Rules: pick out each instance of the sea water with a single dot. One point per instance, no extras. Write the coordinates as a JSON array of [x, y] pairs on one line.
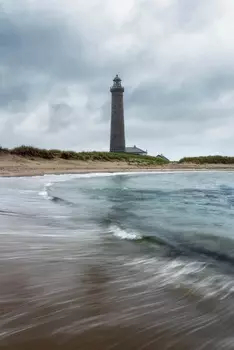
[[117, 261]]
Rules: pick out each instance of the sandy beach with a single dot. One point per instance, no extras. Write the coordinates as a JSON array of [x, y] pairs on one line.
[[12, 165]]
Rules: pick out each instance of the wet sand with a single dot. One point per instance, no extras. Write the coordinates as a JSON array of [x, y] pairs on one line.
[[59, 299], [56, 302]]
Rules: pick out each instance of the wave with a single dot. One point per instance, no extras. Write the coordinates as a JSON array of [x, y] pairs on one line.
[[214, 254], [132, 235], [45, 192], [175, 244], [47, 195], [176, 249], [67, 177], [122, 234], [211, 192]]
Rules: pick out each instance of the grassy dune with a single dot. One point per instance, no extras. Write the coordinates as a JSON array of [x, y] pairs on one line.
[[32, 153], [35, 153], [207, 160]]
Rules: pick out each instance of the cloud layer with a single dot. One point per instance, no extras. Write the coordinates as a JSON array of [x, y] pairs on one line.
[[176, 59]]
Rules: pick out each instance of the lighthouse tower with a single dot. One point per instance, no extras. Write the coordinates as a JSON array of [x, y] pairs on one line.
[[117, 134]]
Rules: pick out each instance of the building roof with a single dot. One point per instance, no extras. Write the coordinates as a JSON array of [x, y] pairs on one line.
[[134, 149], [162, 157]]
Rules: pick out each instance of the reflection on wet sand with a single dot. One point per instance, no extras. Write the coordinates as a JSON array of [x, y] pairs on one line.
[[88, 304]]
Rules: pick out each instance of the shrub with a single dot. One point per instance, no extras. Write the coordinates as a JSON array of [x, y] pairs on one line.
[[107, 157], [55, 152], [68, 155], [28, 151], [3, 150], [208, 160]]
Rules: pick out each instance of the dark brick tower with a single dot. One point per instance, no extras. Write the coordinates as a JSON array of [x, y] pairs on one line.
[[117, 136]]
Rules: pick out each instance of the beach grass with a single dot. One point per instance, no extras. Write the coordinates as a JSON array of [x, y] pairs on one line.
[[207, 160], [32, 153], [50, 154]]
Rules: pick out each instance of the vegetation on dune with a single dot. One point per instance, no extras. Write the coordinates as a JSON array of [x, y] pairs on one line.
[[208, 160], [3, 150], [33, 152]]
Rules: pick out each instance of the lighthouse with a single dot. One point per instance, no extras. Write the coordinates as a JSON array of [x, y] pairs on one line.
[[117, 134]]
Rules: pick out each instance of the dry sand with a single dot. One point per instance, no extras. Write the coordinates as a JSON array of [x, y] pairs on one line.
[[11, 165]]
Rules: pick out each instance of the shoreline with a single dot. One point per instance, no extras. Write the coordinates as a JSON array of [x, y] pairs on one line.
[[15, 166], [111, 172]]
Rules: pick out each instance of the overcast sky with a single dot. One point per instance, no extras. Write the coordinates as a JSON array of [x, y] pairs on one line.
[[175, 57]]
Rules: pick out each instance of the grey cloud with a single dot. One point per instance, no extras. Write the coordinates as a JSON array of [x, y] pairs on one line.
[[189, 97], [37, 41], [12, 96], [52, 63], [60, 117], [195, 15], [37, 52]]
